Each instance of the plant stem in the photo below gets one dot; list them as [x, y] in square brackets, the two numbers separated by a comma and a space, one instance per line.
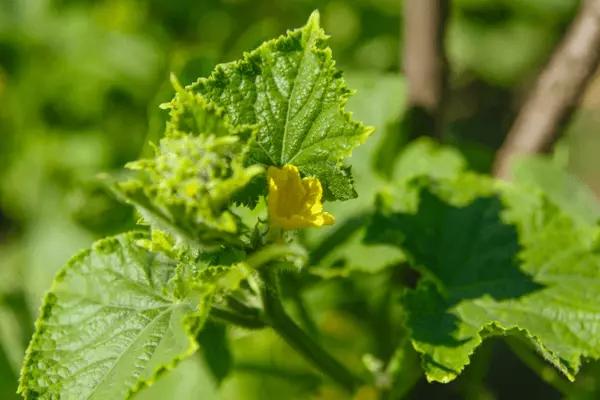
[306, 378]
[343, 231]
[274, 252]
[303, 314]
[237, 319]
[278, 319]
[291, 286]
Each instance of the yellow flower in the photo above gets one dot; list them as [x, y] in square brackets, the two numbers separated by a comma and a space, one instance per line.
[295, 202]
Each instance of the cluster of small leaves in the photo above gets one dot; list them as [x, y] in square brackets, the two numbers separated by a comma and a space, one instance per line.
[495, 259]
[130, 308]
[189, 185]
[127, 310]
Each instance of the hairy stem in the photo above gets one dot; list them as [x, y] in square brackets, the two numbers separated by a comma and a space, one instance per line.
[305, 318]
[274, 252]
[279, 320]
[232, 317]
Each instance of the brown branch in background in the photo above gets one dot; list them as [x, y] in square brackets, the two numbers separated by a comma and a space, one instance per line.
[557, 92]
[425, 65]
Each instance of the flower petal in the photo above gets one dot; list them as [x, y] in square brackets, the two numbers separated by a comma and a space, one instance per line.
[295, 202]
[312, 202]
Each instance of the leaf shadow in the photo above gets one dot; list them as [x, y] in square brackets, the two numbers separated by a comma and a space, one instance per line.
[463, 253]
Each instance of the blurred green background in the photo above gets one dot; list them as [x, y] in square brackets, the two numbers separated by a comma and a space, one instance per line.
[80, 85]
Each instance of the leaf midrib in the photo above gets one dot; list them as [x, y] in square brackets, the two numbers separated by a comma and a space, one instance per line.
[289, 102]
[140, 334]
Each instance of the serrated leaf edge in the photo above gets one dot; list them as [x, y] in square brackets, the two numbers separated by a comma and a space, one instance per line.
[314, 25]
[178, 101]
[551, 357]
[193, 346]
[50, 300]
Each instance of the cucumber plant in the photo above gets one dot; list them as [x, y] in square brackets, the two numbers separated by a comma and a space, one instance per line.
[254, 157]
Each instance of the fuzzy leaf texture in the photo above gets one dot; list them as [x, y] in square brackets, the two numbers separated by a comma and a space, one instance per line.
[188, 187]
[290, 88]
[116, 318]
[492, 272]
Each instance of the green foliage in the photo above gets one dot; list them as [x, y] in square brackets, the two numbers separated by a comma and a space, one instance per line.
[561, 187]
[485, 277]
[291, 88]
[115, 319]
[145, 300]
[192, 180]
[379, 99]
[215, 348]
[449, 257]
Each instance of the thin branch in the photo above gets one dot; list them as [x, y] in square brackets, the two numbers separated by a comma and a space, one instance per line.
[425, 65]
[234, 318]
[557, 92]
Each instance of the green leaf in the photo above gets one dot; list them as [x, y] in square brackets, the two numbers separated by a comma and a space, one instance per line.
[116, 318]
[561, 187]
[425, 157]
[215, 349]
[192, 115]
[292, 90]
[486, 277]
[422, 159]
[196, 175]
[189, 380]
[378, 99]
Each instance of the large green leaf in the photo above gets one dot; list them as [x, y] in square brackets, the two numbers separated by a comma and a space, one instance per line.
[482, 275]
[423, 158]
[291, 88]
[116, 318]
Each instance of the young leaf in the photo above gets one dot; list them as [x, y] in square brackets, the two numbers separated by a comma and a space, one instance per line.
[192, 181]
[484, 278]
[292, 90]
[191, 114]
[116, 318]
